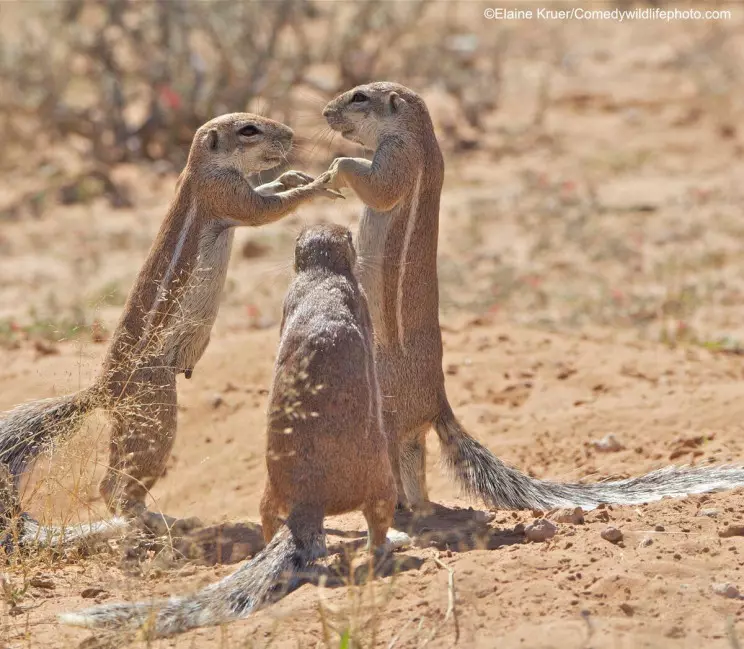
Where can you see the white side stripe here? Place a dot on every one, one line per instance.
(163, 288)
(410, 225)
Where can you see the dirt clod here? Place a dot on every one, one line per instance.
(731, 530)
(540, 530)
(573, 516)
(726, 590)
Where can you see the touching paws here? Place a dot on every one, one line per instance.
(292, 179)
(333, 178)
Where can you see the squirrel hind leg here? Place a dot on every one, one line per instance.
(269, 510)
(378, 512)
(413, 470)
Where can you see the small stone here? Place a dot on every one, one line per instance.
(726, 590)
(612, 534)
(519, 528)
(216, 401)
(540, 530)
(608, 444)
(42, 581)
(710, 513)
(645, 542)
(91, 593)
(397, 540)
(602, 516)
(659, 528)
(573, 516)
(731, 530)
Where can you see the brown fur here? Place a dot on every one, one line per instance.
(168, 316)
(401, 189)
(398, 235)
(326, 450)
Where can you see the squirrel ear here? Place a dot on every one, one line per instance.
(396, 102)
(212, 139)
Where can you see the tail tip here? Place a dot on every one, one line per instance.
(74, 619)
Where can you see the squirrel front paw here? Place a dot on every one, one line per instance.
(291, 179)
(333, 178)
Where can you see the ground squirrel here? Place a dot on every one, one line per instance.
(398, 236)
(326, 449)
(169, 313)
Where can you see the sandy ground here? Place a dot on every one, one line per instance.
(591, 283)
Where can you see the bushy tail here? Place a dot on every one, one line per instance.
(34, 534)
(25, 430)
(274, 570)
(484, 476)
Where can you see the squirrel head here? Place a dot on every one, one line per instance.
(368, 113)
(245, 142)
(326, 246)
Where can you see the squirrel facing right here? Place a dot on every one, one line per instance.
(166, 323)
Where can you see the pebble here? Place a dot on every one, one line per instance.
(216, 401)
(710, 513)
(602, 516)
(612, 534)
(90, 593)
(573, 516)
(645, 542)
(608, 444)
(540, 530)
(726, 590)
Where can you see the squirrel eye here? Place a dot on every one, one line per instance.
(358, 98)
(248, 130)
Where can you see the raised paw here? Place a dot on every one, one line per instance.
(322, 189)
(333, 177)
(291, 179)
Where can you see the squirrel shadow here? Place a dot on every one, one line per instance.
(454, 528)
(444, 528)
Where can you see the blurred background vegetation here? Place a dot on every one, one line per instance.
(590, 165)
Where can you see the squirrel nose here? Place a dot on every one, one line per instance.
(326, 111)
